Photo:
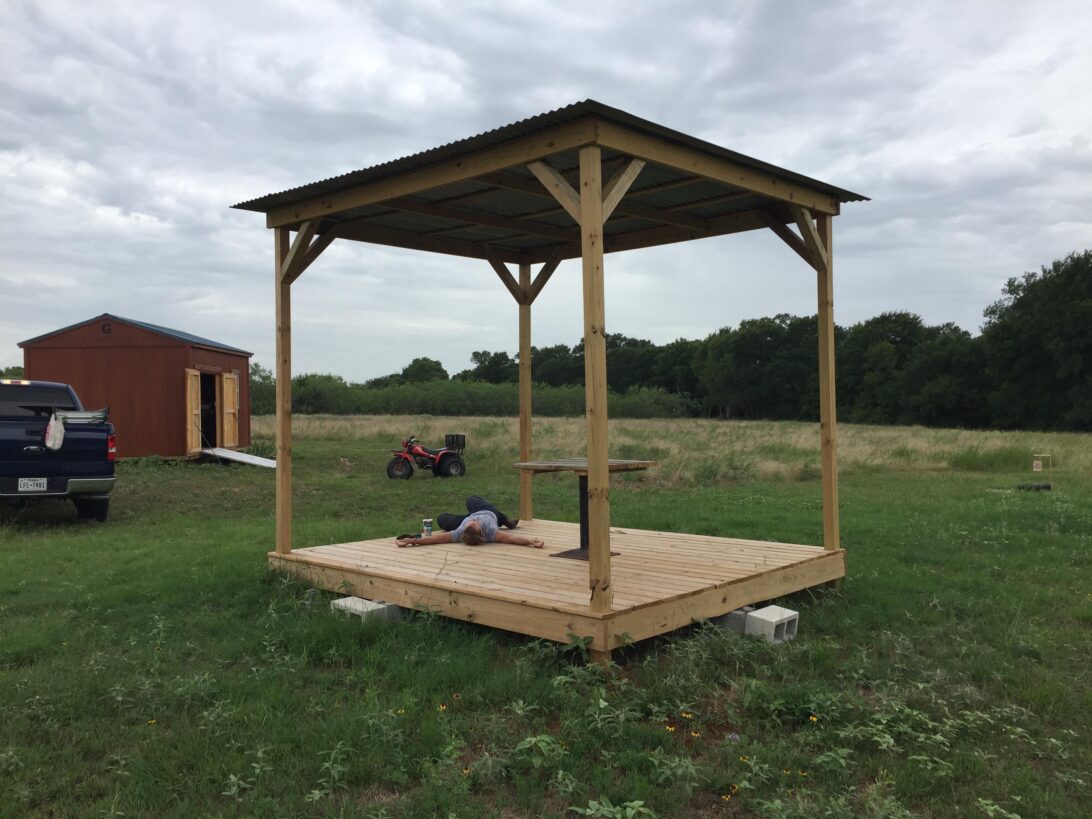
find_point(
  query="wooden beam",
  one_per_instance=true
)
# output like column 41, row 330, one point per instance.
column 313, row 252
column 360, row 231
column 284, row 394
column 475, row 217
column 595, row 377
column 526, row 478
column 543, row 276
column 619, row 184
column 515, row 183
column 787, row 236
column 720, row 169
column 810, row 236
column 828, row 415
column 298, row 249
column 505, row 276
column 558, row 187
column 494, row 158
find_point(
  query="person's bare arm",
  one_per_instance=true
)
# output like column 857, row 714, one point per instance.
column 439, row 537
column 517, row 540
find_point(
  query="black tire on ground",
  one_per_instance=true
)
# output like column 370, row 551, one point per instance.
column 453, row 467
column 93, row 509
column 399, row 468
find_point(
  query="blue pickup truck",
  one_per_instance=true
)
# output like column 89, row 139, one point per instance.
column 81, row 469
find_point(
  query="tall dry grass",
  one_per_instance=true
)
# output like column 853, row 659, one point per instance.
column 701, row 450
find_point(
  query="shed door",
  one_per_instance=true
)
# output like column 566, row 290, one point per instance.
column 229, row 410
column 193, row 411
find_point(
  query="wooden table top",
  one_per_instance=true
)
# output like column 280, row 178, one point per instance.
column 580, row 465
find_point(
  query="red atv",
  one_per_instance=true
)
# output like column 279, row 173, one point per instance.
column 444, row 463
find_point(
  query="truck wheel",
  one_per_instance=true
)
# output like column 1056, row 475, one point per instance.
column 92, row 509
column 453, row 467
column 399, row 468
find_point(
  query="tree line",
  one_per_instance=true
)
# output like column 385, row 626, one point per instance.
column 1029, row 368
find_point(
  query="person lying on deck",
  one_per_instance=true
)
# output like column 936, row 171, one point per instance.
column 481, row 524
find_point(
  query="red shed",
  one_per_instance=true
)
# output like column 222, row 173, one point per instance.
column 170, row 393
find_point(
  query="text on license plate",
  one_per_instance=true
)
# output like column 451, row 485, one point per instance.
column 32, row 485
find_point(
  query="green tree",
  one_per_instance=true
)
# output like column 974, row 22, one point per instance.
column 423, row 369
column 493, row 368
column 1039, row 347
column 558, row 365
column 263, row 390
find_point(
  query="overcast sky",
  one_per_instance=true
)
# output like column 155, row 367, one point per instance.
column 128, row 129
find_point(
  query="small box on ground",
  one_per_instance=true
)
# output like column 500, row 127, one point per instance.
column 773, row 623
column 366, row 609
column 734, row 620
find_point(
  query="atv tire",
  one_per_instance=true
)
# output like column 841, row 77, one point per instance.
column 399, row 468
column 453, row 467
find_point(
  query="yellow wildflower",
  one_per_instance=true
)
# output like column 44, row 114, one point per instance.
column 151, row 722
column 744, row 758
column 442, row 706
column 813, row 718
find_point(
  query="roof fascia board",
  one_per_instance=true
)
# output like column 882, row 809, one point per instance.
column 172, row 341
column 692, row 161
column 584, row 131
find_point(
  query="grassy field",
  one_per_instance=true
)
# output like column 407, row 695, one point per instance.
column 151, row 666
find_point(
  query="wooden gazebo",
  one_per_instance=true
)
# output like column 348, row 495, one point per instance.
column 580, row 181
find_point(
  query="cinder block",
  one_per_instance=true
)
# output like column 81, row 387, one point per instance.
column 734, row 620
column 366, row 609
column 772, row 623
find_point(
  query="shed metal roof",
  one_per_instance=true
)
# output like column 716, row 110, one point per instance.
column 178, row 335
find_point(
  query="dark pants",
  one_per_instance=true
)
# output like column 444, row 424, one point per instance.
column 450, row 522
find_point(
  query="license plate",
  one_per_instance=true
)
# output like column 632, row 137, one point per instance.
column 32, row 485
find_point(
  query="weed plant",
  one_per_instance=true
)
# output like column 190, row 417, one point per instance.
column 152, row 666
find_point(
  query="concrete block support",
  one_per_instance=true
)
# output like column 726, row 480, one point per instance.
column 734, row 620
column 366, row 609
column 772, row 623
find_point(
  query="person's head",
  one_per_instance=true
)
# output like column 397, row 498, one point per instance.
column 472, row 534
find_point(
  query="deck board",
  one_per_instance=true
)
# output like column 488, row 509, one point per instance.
column 662, row 580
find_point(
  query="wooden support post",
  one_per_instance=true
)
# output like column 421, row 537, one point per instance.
column 828, row 422
column 526, row 476
column 281, row 244
column 595, row 377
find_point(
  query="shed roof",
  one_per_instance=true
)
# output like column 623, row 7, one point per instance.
column 463, row 198
column 177, row 335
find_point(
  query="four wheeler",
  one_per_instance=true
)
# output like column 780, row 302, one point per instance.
column 444, row 463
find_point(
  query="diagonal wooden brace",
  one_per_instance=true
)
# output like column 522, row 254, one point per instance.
column 810, row 234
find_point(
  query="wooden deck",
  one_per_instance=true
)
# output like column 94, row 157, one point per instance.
column 662, row 580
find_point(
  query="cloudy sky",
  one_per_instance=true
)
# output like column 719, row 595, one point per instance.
column 127, row 130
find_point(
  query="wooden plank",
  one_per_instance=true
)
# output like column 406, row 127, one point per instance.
column 526, row 480
column 193, row 411
column 719, row 169
column 298, row 250
column 828, row 415
column 619, row 185
column 642, row 623
column 543, row 276
column 782, row 231
column 595, row 376
column 473, row 608
column 284, row 394
column 810, row 235
column 558, row 187
column 494, row 158
column 505, row 276
column 580, row 465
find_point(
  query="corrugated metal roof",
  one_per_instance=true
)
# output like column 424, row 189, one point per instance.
column 522, row 128
column 178, row 335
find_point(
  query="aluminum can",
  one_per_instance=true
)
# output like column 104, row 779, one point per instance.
column 426, row 527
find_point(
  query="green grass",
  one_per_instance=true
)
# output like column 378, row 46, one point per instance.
column 151, row 666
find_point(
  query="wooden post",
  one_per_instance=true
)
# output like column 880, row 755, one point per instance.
column 526, row 477
column 828, row 422
column 595, row 377
column 281, row 246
